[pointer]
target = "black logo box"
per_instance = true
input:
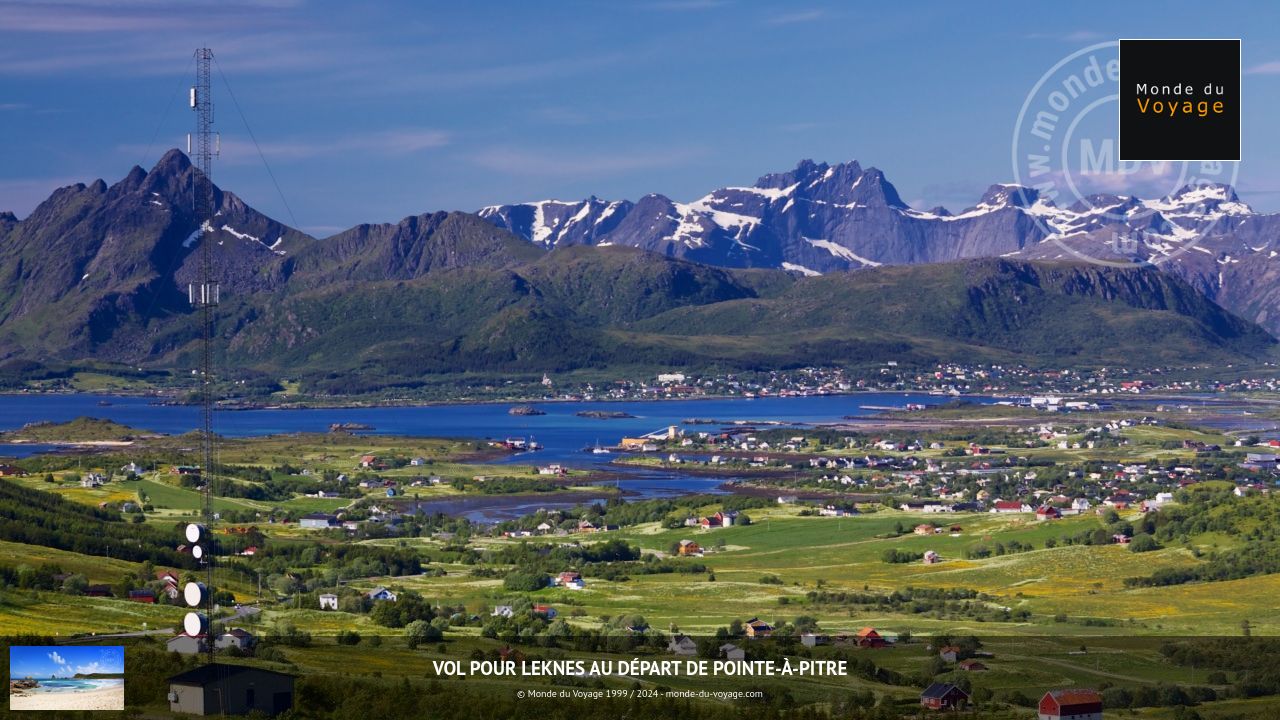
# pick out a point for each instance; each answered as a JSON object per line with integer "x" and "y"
{"x": 1184, "y": 64}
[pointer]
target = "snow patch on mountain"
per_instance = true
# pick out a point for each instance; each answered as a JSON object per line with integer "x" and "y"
{"x": 253, "y": 238}
{"x": 800, "y": 269}
{"x": 841, "y": 251}
{"x": 195, "y": 234}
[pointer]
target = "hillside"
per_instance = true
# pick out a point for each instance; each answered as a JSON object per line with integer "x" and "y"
{"x": 82, "y": 429}
{"x": 1035, "y": 312}
{"x": 614, "y": 307}
{"x": 100, "y": 273}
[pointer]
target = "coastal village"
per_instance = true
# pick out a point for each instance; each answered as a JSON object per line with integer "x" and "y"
{"x": 953, "y": 379}
{"x": 944, "y": 486}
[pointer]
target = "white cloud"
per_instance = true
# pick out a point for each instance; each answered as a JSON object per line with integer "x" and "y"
{"x": 93, "y": 667}
{"x": 681, "y": 5}
{"x": 796, "y": 17}
{"x": 1150, "y": 179}
{"x": 237, "y": 151}
{"x": 54, "y": 656}
{"x": 1266, "y": 68}
{"x": 1070, "y": 36}
{"x": 385, "y": 142}
{"x": 547, "y": 164}
{"x": 128, "y": 16}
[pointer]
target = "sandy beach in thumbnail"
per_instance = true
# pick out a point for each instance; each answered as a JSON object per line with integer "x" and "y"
{"x": 108, "y": 698}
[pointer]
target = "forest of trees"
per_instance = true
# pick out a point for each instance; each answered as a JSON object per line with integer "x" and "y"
{"x": 1252, "y": 521}
{"x": 35, "y": 517}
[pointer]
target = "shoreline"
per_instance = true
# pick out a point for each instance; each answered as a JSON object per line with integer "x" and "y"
{"x": 109, "y": 698}
{"x": 164, "y": 400}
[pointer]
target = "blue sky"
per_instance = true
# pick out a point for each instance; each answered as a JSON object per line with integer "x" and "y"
{"x": 40, "y": 661}
{"x": 369, "y": 112}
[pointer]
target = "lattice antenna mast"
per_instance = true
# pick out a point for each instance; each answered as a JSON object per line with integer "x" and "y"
{"x": 204, "y": 295}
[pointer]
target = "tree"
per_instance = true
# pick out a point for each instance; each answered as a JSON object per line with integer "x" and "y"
{"x": 936, "y": 666}
{"x": 524, "y": 581}
{"x": 805, "y": 624}
{"x": 1143, "y": 543}
{"x": 122, "y": 588}
{"x": 75, "y": 584}
{"x": 421, "y": 631}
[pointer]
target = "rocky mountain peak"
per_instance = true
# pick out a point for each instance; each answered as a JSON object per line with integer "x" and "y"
{"x": 1006, "y": 195}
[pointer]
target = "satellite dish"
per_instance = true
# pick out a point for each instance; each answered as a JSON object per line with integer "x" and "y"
{"x": 194, "y": 624}
{"x": 197, "y": 552}
{"x": 193, "y": 532}
{"x": 194, "y": 594}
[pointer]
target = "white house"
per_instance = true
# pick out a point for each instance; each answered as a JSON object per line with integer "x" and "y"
{"x": 505, "y": 611}
{"x": 317, "y": 521}
{"x": 570, "y": 580}
{"x": 381, "y": 593}
{"x": 682, "y": 645}
{"x": 813, "y": 639}
{"x": 732, "y": 652}
{"x": 185, "y": 644}
{"x": 329, "y": 601}
{"x": 235, "y": 638}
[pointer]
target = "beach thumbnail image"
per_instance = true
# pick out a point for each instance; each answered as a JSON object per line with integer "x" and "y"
{"x": 66, "y": 677}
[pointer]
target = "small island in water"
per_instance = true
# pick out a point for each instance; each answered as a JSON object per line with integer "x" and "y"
{"x": 604, "y": 414}
{"x": 525, "y": 410}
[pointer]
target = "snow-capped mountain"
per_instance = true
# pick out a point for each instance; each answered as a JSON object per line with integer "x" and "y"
{"x": 815, "y": 218}
{"x": 820, "y": 218}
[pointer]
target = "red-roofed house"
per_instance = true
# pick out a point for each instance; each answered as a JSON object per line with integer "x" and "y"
{"x": 689, "y": 547}
{"x": 170, "y": 583}
{"x": 868, "y": 637}
{"x": 1071, "y": 704}
{"x": 571, "y": 580}
{"x": 1009, "y": 506}
{"x": 1048, "y": 512}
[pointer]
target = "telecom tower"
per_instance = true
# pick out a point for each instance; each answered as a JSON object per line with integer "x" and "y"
{"x": 202, "y": 147}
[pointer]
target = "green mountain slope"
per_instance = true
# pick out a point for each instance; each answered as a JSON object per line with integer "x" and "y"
{"x": 612, "y": 307}
{"x": 1035, "y": 311}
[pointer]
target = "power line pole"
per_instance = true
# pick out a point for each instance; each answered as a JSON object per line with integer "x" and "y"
{"x": 204, "y": 295}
